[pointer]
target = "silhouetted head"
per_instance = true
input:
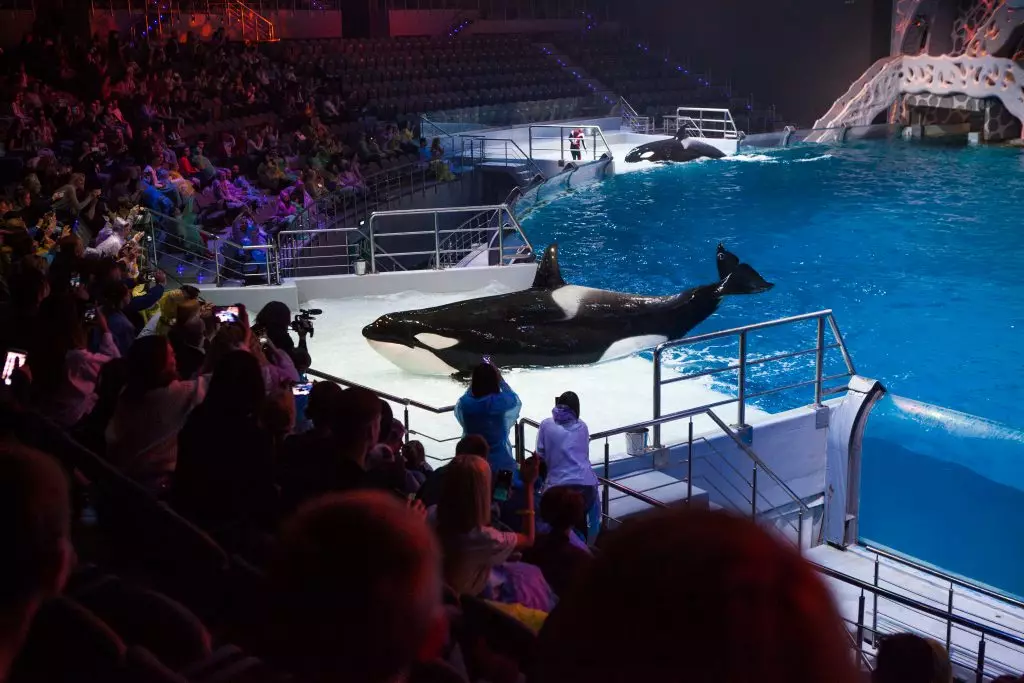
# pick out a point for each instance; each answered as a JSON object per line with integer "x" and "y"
{"x": 486, "y": 381}
{"x": 909, "y": 658}
{"x": 563, "y": 508}
{"x": 722, "y": 595}
{"x": 355, "y": 585}
{"x": 473, "y": 444}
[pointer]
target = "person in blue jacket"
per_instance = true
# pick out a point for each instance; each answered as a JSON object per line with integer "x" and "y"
{"x": 490, "y": 408}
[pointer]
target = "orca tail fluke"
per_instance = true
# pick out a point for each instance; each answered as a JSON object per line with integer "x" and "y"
{"x": 736, "y": 277}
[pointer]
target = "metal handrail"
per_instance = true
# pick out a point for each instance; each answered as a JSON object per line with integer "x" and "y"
{"x": 758, "y": 464}
{"x": 372, "y": 181}
{"x": 629, "y": 115}
{"x": 951, "y": 619}
{"x": 502, "y": 209}
{"x": 931, "y": 611}
{"x": 722, "y": 124}
{"x": 819, "y": 349}
{"x": 526, "y": 159}
{"x": 632, "y": 493}
{"x": 946, "y": 577}
{"x": 595, "y": 132}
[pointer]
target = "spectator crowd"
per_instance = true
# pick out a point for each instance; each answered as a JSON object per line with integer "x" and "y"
{"x": 209, "y": 137}
{"x": 170, "y": 482}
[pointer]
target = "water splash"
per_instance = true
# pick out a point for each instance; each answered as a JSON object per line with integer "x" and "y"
{"x": 956, "y": 422}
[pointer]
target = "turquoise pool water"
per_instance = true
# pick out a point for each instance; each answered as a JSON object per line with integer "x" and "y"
{"x": 919, "y": 250}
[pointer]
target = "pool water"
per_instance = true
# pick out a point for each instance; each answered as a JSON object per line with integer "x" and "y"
{"x": 916, "y": 248}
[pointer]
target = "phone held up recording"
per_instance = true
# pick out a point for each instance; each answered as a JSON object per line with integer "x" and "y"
{"x": 503, "y": 485}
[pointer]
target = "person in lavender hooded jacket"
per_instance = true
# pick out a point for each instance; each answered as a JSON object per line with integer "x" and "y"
{"x": 563, "y": 442}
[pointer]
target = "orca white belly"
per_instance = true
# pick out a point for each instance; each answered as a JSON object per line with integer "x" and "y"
{"x": 417, "y": 360}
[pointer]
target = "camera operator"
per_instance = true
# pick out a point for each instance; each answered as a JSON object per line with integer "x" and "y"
{"x": 275, "y": 320}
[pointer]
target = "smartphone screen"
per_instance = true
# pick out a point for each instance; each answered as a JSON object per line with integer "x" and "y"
{"x": 76, "y": 279}
{"x": 90, "y": 314}
{"x": 302, "y": 389}
{"x": 14, "y": 360}
{"x": 226, "y": 314}
{"x": 503, "y": 485}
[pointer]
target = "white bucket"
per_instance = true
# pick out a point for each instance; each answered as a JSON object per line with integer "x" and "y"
{"x": 360, "y": 267}
{"x": 636, "y": 442}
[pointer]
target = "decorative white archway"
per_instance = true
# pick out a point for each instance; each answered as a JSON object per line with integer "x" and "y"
{"x": 887, "y": 79}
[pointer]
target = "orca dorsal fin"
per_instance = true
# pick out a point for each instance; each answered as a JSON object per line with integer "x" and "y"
{"x": 549, "y": 275}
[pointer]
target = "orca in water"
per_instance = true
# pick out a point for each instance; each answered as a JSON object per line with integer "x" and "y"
{"x": 552, "y": 323}
{"x": 680, "y": 148}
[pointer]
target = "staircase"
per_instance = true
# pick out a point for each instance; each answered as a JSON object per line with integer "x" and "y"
{"x": 245, "y": 23}
{"x": 502, "y": 153}
{"x": 461, "y": 23}
{"x": 633, "y": 122}
{"x": 593, "y": 84}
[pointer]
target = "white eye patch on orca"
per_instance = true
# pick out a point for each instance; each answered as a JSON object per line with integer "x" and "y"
{"x": 648, "y": 154}
{"x": 435, "y": 341}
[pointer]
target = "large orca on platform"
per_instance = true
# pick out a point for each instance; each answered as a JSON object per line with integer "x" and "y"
{"x": 551, "y": 323}
{"x": 679, "y": 148}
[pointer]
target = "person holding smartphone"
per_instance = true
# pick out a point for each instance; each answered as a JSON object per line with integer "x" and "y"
{"x": 490, "y": 408}
{"x": 472, "y": 546}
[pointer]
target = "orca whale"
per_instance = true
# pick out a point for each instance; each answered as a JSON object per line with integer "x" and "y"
{"x": 680, "y": 148}
{"x": 551, "y": 323}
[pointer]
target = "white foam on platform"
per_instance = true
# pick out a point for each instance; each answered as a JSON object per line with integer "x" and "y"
{"x": 612, "y": 394}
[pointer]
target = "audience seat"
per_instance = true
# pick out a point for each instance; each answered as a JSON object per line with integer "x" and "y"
{"x": 68, "y": 643}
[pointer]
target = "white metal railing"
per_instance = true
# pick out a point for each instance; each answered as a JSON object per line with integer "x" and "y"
{"x": 593, "y": 151}
{"x": 703, "y": 122}
{"x": 469, "y": 240}
{"x": 503, "y": 152}
{"x": 967, "y": 643}
{"x": 743, "y": 363}
{"x": 632, "y": 120}
{"x": 505, "y": 244}
{"x": 173, "y": 249}
{"x": 757, "y": 465}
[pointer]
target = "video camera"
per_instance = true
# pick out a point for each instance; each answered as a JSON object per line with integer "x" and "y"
{"x": 303, "y": 323}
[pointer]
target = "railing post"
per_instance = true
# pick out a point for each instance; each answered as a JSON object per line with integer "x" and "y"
{"x": 406, "y": 420}
{"x": 501, "y": 242}
{"x": 561, "y": 145}
{"x": 874, "y": 608}
{"x": 437, "y": 244}
{"x": 979, "y": 675}
{"x": 593, "y": 144}
{"x": 949, "y": 620}
{"x": 519, "y": 446}
{"x": 607, "y": 477}
{"x": 753, "y": 494}
{"x": 800, "y": 531}
{"x": 819, "y": 361}
{"x": 741, "y": 408}
{"x": 216, "y": 262}
{"x": 657, "y": 395}
{"x": 689, "y": 466}
{"x": 860, "y": 620}
{"x": 373, "y": 248}
{"x": 530, "y": 132}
